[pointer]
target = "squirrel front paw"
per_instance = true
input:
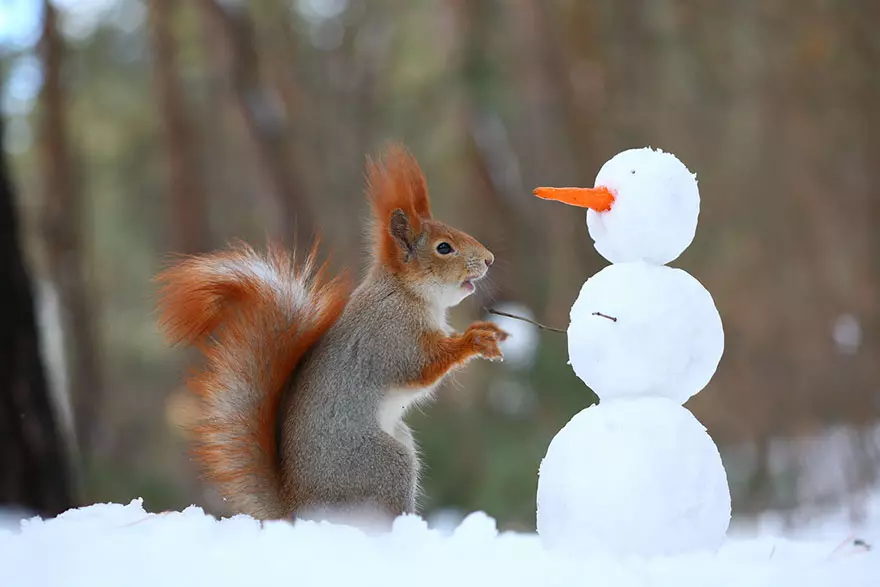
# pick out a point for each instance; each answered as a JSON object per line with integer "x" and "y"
{"x": 485, "y": 336}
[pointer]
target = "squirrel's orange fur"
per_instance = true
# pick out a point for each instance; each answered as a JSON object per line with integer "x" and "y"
{"x": 449, "y": 352}
{"x": 395, "y": 182}
{"x": 249, "y": 327}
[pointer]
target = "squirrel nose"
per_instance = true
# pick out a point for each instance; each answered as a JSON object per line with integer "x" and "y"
{"x": 489, "y": 261}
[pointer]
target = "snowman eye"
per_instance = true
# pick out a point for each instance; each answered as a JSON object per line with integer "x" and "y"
{"x": 444, "y": 248}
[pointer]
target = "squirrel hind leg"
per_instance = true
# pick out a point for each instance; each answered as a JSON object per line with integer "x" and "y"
{"x": 372, "y": 485}
{"x": 389, "y": 471}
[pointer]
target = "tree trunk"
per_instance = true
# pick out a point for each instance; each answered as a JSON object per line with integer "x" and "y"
{"x": 552, "y": 125}
{"x": 188, "y": 220}
{"x": 33, "y": 464}
{"x": 864, "y": 13}
{"x": 64, "y": 251}
{"x": 262, "y": 120}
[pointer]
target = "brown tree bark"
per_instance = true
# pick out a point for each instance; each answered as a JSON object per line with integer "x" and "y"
{"x": 494, "y": 187}
{"x": 326, "y": 124}
{"x": 186, "y": 189}
{"x": 263, "y": 123}
{"x": 864, "y": 13}
{"x": 62, "y": 223}
{"x": 558, "y": 145}
{"x": 34, "y": 466}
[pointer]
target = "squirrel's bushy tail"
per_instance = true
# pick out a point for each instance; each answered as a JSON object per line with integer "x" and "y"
{"x": 253, "y": 317}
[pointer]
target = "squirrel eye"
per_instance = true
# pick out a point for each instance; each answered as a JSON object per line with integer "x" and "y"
{"x": 444, "y": 248}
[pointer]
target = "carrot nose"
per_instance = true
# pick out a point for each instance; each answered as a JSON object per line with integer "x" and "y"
{"x": 599, "y": 198}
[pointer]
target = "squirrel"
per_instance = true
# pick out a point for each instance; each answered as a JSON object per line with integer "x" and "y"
{"x": 306, "y": 382}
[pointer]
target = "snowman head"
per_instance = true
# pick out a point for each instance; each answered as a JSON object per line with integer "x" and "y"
{"x": 644, "y": 206}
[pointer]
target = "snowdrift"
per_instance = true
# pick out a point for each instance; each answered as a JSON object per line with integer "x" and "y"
{"x": 116, "y": 545}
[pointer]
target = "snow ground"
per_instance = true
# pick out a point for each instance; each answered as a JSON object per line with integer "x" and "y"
{"x": 122, "y": 545}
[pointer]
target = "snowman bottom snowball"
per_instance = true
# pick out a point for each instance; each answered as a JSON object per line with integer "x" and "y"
{"x": 633, "y": 477}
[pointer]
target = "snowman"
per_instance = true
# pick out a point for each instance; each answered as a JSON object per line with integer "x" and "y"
{"x": 637, "y": 474}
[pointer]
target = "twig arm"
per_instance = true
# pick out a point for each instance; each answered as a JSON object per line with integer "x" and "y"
{"x": 523, "y": 319}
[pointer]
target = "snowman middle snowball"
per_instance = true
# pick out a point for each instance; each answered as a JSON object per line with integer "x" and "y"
{"x": 666, "y": 339}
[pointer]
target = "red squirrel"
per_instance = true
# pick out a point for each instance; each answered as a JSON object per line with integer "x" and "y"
{"x": 306, "y": 382}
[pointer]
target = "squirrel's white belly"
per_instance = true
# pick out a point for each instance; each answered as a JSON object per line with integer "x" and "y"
{"x": 394, "y": 405}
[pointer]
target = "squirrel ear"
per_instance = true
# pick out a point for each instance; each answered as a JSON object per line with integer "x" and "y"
{"x": 400, "y": 229}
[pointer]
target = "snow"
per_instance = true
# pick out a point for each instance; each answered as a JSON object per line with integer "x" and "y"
{"x": 109, "y": 545}
{"x": 654, "y": 215}
{"x": 633, "y": 477}
{"x": 812, "y": 522}
{"x": 667, "y": 340}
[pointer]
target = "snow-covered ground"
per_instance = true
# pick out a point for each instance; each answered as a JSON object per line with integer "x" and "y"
{"x": 814, "y": 523}
{"x": 122, "y": 545}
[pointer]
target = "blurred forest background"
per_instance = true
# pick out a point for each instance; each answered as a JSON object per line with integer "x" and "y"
{"x": 134, "y": 129}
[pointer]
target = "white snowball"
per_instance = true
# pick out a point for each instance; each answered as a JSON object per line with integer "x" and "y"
{"x": 667, "y": 340}
{"x": 654, "y": 215}
{"x": 633, "y": 477}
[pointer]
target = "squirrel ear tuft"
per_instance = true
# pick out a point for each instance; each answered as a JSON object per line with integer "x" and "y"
{"x": 398, "y": 195}
{"x": 400, "y": 230}
{"x": 396, "y": 181}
